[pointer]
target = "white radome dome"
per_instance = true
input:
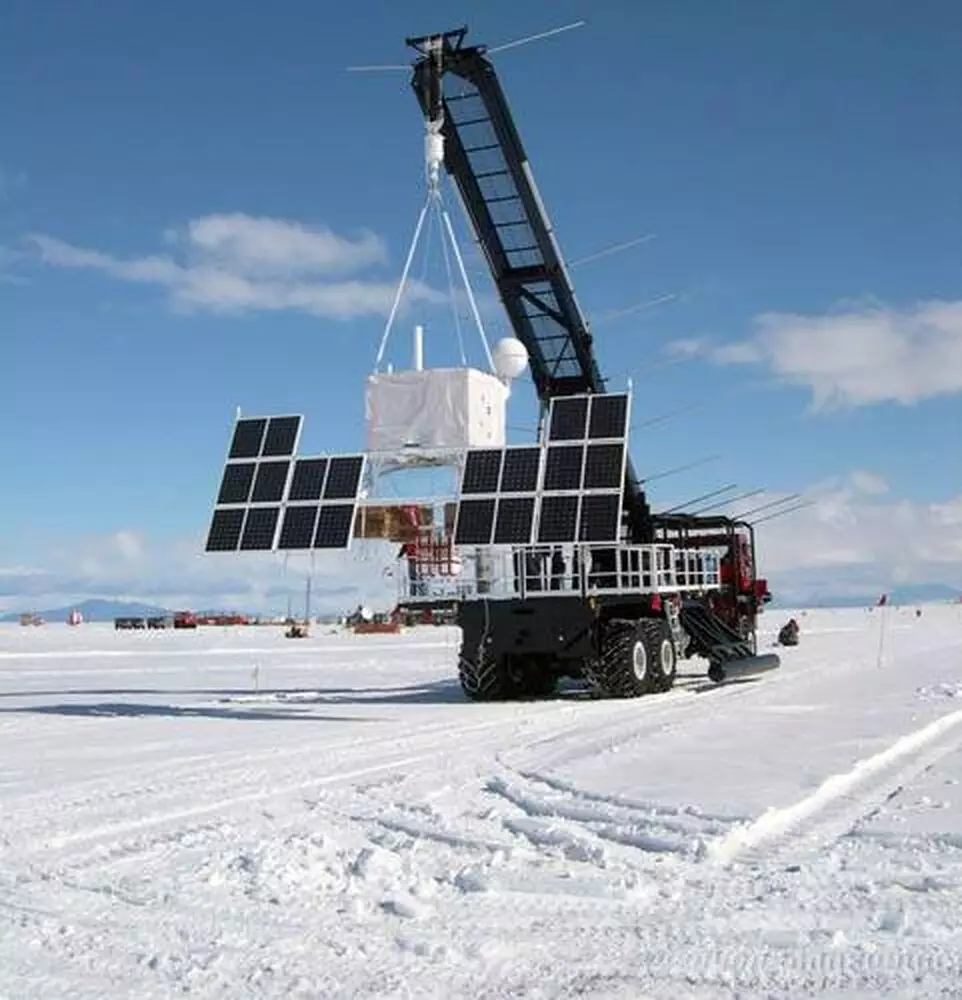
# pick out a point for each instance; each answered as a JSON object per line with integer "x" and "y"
{"x": 510, "y": 357}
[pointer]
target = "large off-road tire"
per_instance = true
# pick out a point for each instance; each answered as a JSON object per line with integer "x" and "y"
{"x": 484, "y": 677}
{"x": 664, "y": 655}
{"x": 636, "y": 658}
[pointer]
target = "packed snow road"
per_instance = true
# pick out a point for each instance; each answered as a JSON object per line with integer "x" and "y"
{"x": 232, "y": 814}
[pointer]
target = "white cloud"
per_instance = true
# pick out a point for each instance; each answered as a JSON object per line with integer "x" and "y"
{"x": 859, "y": 356}
{"x": 261, "y": 247}
{"x": 689, "y": 347}
{"x": 868, "y": 482}
{"x": 128, "y": 566}
{"x": 235, "y": 264}
{"x": 855, "y": 535}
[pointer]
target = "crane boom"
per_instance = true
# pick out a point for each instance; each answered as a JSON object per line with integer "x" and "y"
{"x": 484, "y": 156}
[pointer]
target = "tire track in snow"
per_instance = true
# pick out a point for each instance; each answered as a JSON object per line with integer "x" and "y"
{"x": 837, "y": 805}
{"x": 114, "y": 834}
{"x": 231, "y": 772}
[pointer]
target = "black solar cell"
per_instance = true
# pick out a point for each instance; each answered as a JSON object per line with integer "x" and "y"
{"x": 281, "y": 437}
{"x": 260, "y": 527}
{"x": 236, "y": 483}
{"x": 225, "y": 530}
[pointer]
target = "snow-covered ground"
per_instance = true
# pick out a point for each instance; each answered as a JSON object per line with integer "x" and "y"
{"x": 232, "y": 814}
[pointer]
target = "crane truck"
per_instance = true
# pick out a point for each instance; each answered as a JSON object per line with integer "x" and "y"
{"x": 674, "y": 585}
{"x": 553, "y": 560}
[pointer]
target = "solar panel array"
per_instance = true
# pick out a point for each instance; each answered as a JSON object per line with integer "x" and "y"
{"x": 568, "y": 489}
{"x": 498, "y": 496}
{"x": 268, "y": 499}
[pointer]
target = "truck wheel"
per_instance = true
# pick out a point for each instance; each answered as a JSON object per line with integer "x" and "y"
{"x": 628, "y": 665}
{"x": 484, "y": 677}
{"x": 663, "y": 656}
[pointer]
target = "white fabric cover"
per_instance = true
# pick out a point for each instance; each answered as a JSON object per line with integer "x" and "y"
{"x": 438, "y": 408}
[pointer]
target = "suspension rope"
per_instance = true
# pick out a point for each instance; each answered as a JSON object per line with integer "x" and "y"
{"x": 451, "y": 289}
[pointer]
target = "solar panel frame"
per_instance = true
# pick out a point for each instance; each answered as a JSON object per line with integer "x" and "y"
{"x": 263, "y": 478}
{"x": 568, "y": 419}
{"x": 604, "y": 466}
{"x": 563, "y": 467}
{"x": 474, "y": 524}
{"x": 307, "y": 479}
{"x": 270, "y": 436}
{"x": 335, "y": 525}
{"x": 514, "y": 520}
{"x": 520, "y": 469}
{"x": 247, "y": 438}
{"x": 260, "y": 529}
{"x": 481, "y": 474}
{"x": 343, "y": 478}
{"x": 282, "y": 436}
{"x": 608, "y": 416}
{"x": 298, "y": 525}
{"x": 599, "y": 517}
{"x": 271, "y": 481}
{"x": 224, "y": 532}
{"x": 605, "y": 418}
{"x": 558, "y": 518}
{"x": 236, "y": 483}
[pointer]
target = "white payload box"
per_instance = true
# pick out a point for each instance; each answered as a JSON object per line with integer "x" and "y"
{"x": 436, "y": 409}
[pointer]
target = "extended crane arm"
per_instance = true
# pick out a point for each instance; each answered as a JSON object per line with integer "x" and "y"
{"x": 483, "y": 154}
{"x": 485, "y": 158}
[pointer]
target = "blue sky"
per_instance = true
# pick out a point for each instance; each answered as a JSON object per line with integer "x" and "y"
{"x": 800, "y": 167}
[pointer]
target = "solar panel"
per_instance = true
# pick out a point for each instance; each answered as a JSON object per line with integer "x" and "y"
{"x": 475, "y": 522}
{"x": 609, "y": 416}
{"x": 600, "y": 515}
{"x": 506, "y": 498}
{"x": 281, "y": 436}
{"x": 515, "y": 521}
{"x": 236, "y": 483}
{"x": 519, "y": 474}
{"x": 260, "y": 527}
{"x": 248, "y": 436}
{"x": 297, "y": 529}
{"x": 225, "y": 530}
{"x": 562, "y": 470}
{"x": 482, "y": 470}
{"x": 569, "y": 415}
{"x": 559, "y": 519}
{"x": 604, "y": 466}
{"x": 334, "y": 523}
{"x": 343, "y": 477}
{"x": 308, "y": 479}
{"x": 270, "y": 481}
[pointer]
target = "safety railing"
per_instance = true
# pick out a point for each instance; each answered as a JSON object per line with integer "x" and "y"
{"x": 533, "y": 571}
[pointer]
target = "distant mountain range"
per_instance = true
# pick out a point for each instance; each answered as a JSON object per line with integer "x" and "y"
{"x": 96, "y": 610}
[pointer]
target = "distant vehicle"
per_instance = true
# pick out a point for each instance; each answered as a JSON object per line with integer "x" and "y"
{"x": 224, "y": 620}
{"x": 185, "y": 619}
{"x": 160, "y": 622}
{"x": 130, "y": 623}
